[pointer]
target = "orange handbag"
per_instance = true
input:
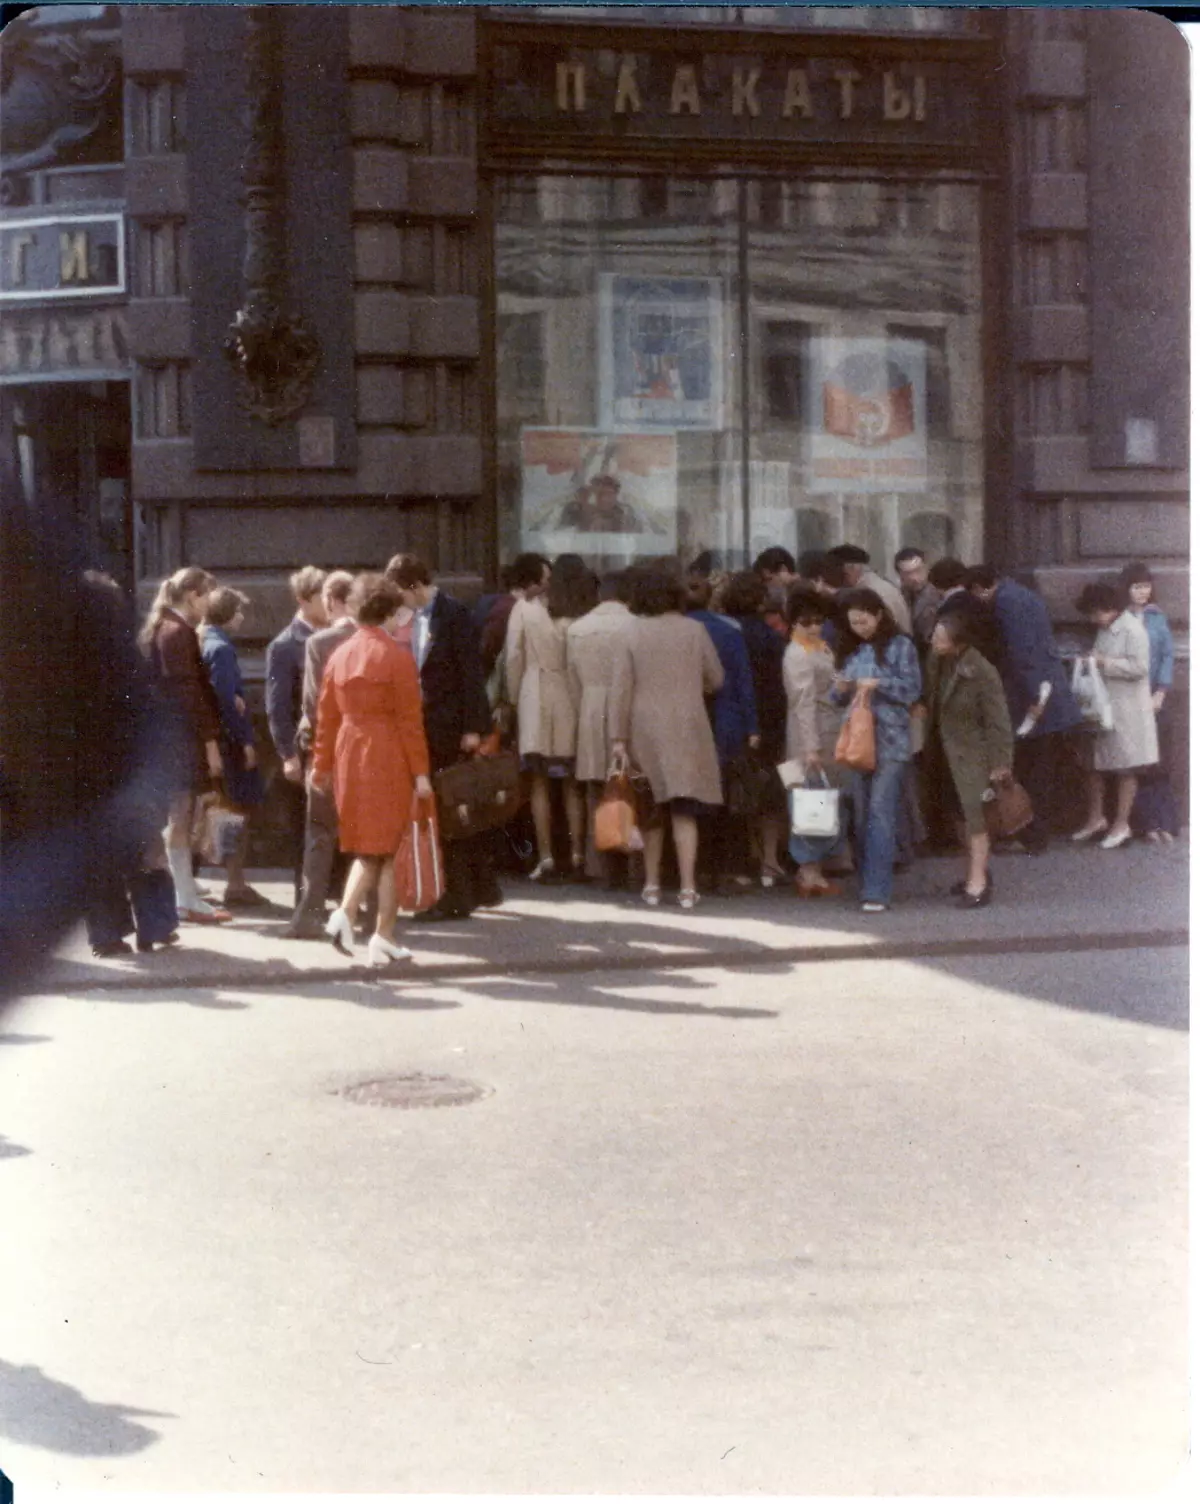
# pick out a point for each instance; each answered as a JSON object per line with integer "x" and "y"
{"x": 856, "y": 742}
{"x": 420, "y": 879}
{"x": 615, "y": 826}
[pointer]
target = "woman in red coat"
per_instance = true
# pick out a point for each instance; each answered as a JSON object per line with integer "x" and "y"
{"x": 371, "y": 741}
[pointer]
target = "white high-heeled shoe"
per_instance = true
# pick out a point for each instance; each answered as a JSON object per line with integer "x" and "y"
{"x": 381, "y": 952}
{"x": 340, "y": 931}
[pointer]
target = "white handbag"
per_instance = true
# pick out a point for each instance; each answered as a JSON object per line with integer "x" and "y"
{"x": 815, "y": 812}
{"x": 1089, "y": 688}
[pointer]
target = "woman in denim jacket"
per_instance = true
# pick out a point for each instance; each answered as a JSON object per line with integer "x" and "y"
{"x": 872, "y": 653}
{"x": 1155, "y": 813}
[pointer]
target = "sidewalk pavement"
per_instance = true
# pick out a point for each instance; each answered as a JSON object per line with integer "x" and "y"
{"x": 1067, "y": 900}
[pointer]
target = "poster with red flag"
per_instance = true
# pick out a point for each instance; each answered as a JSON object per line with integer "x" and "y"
{"x": 867, "y": 415}
{"x": 600, "y": 494}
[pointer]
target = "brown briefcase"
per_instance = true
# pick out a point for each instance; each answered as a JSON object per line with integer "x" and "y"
{"x": 477, "y": 794}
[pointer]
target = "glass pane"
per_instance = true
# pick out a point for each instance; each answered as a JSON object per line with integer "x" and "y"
{"x": 866, "y": 393}
{"x": 877, "y": 18}
{"x": 618, "y": 384}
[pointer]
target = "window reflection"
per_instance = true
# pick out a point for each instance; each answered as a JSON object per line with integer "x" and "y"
{"x": 876, "y": 18}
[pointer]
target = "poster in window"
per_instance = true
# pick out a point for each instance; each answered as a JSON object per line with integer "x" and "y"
{"x": 867, "y": 419}
{"x": 660, "y": 352}
{"x": 598, "y": 494}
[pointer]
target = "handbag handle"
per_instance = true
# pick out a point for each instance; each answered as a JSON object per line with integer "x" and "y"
{"x": 808, "y": 784}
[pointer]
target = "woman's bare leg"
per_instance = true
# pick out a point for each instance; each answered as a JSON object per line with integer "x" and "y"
{"x": 539, "y": 805}
{"x": 1126, "y": 793}
{"x": 978, "y": 849}
{"x": 653, "y": 854}
{"x": 687, "y": 838}
{"x": 385, "y": 918}
{"x": 573, "y": 799}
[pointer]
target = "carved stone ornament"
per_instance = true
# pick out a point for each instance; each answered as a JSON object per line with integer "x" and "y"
{"x": 274, "y": 355}
{"x": 58, "y": 87}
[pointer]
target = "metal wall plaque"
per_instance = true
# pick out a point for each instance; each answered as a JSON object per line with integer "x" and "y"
{"x": 62, "y": 256}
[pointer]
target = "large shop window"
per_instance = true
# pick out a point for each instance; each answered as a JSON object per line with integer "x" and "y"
{"x": 728, "y": 363}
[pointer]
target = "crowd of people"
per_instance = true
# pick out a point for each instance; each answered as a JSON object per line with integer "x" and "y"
{"x": 714, "y": 692}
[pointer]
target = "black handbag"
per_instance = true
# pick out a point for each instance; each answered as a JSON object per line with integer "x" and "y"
{"x": 752, "y": 786}
{"x": 477, "y": 794}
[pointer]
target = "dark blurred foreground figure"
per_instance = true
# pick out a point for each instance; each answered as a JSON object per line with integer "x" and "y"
{"x": 81, "y": 749}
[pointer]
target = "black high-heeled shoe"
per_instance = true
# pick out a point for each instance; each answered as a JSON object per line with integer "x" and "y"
{"x": 958, "y": 889}
{"x": 976, "y": 900}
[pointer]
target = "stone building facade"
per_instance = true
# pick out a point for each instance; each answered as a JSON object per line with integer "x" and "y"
{"x": 485, "y": 224}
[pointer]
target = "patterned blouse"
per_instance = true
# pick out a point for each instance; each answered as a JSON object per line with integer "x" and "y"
{"x": 899, "y": 678}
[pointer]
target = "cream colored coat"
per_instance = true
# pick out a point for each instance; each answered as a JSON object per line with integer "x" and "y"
{"x": 591, "y": 659}
{"x": 813, "y": 723}
{"x": 665, "y": 665}
{"x": 1133, "y": 741}
{"x": 535, "y": 667}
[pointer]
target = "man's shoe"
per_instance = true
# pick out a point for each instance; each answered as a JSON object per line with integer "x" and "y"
{"x": 245, "y": 898}
{"x": 438, "y": 915}
{"x": 304, "y": 927}
{"x": 114, "y": 948}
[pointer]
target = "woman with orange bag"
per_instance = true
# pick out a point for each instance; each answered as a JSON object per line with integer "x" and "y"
{"x": 371, "y": 741}
{"x": 876, "y": 664}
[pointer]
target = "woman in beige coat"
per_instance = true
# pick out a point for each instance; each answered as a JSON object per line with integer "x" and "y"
{"x": 665, "y": 666}
{"x": 813, "y": 725}
{"x": 1122, "y": 654}
{"x": 547, "y": 703}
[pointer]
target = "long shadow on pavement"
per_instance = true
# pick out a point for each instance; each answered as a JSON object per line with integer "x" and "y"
{"x": 38, "y": 1411}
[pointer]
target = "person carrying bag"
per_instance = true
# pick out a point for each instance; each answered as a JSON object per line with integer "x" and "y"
{"x": 420, "y": 879}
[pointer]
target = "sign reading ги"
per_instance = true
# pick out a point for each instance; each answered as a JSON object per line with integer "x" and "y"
{"x": 600, "y": 91}
{"x": 62, "y": 256}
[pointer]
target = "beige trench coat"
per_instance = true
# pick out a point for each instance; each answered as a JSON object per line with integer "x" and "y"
{"x": 1133, "y": 741}
{"x": 665, "y": 666}
{"x": 535, "y": 667}
{"x": 813, "y": 724}
{"x": 591, "y": 659}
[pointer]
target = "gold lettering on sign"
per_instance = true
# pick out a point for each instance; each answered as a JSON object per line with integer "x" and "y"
{"x": 571, "y": 82}
{"x": 846, "y": 79}
{"x": 629, "y": 98}
{"x": 685, "y": 91}
{"x": 73, "y": 255}
{"x": 17, "y": 247}
{"x": 797, "y": 98}
{"x": 745, "y": 100}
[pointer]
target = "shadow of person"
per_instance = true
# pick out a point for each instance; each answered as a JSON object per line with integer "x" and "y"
{"x": 9, "y": 1150}
{"x": 38, "y": 1411}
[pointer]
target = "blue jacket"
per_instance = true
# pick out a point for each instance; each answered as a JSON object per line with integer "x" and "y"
{"x": 1162, "y": 648}
{"x": 733, "y": 710}
{"x": 899, "y": 678}
{"x": 285, "y": 683}
{"x": 766, "y": 649}
{"x": 224, "y": 671}
{"x": 1031, "y": 659}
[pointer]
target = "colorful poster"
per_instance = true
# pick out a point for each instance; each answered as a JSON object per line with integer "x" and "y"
{"x": 660, "y": 352}
{"x": 598, "y": 494}
{"x": 866, "y": 419}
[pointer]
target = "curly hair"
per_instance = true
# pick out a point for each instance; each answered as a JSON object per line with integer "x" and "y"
{"x": 656, "y": 591}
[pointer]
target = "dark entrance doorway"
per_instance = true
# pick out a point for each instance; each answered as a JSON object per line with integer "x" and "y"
{"x": 72, "y": 448}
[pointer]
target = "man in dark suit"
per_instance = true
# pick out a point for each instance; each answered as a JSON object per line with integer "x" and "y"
{"x": 1031, "y": 659}
{"x": 446, "y": 647}
{"x": 320, "y": 821}
{"x": 285, "y": 682}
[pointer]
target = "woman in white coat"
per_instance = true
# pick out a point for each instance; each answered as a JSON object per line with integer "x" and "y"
{"x": 547, "y": 703}
{"x": 1122, "y": 654}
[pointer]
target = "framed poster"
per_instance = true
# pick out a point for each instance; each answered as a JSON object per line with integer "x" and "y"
{"x": 867, "y": 421}
{"x": 593, "y": 493}
{"x": 660, "y": 352}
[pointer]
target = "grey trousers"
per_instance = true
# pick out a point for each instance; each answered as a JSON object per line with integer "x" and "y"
{"x": 320, "y": 853}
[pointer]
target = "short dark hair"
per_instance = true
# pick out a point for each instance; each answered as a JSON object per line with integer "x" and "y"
{"x": 1135, "y": 573}
{"x": 772, "y": 560}
{"x": 699, "y": 591}
{"x": 525, "y": 570}
{"x": 806, "y": 604}
{"x": 656, "y": 591}
{"x": 947, "y": 574}
{"x": 616, "y": 586}
{"x": 849, "y": 553}
{"x": 373, "y": 598}
{"x": 745, "y": 594}
{"x": 573, "y": 588}
{"x": 830, "y": 572}
{"x": 983, "y": 576}
{"x": 407, "y": 571}
{"x": 1099, "y": 596}
{"x": 906, "y": 554}
{"x": 848, "y": 642}
{"x": 705, "y": 563}
{"x": 808, "y": 563}
{"x": 223, "y": 605}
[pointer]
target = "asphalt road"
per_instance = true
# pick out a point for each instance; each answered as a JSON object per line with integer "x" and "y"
{"x": 839, "y": 1227}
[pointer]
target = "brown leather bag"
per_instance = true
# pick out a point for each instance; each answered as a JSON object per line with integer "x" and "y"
{"x": 477, "y": 794}
{"x": 1008, "y": 811}
{"x": 856, "y": 741}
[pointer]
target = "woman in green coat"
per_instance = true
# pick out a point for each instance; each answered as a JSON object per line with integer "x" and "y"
{"x": 968, "y": 711}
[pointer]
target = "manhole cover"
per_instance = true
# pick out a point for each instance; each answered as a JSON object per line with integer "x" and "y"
{"x": 414, "y": 1091}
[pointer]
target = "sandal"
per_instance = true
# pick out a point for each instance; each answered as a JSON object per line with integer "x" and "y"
{"x": 544, "y": 871}
{"x": 770, "y": 876}
{"x": 688, "y": 898}
{"x": 651, "y": 896}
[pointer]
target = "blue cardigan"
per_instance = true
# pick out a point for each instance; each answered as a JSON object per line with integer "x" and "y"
{"x": 221, "y": 660}
{"x": 899, "y": 678}
{"x": 734, "y": 715}
{"x": 1162, "y": 648}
